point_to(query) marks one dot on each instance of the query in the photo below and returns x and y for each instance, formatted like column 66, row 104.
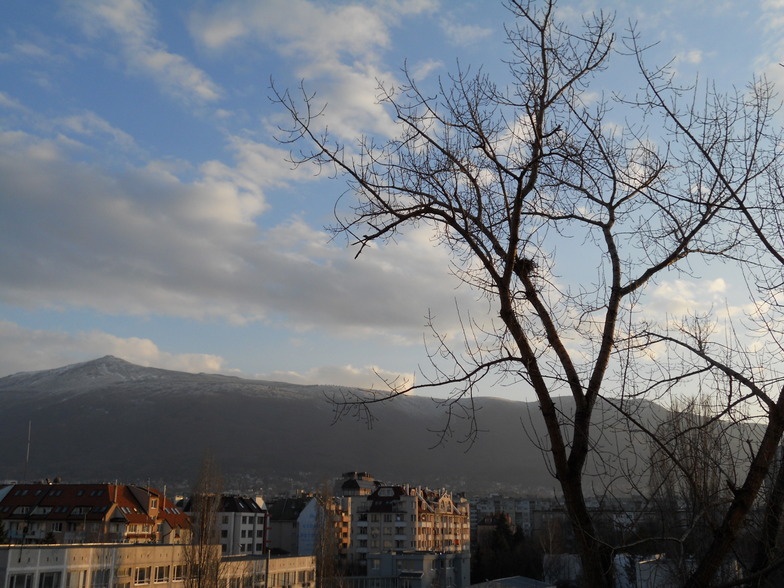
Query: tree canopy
column 667, row 179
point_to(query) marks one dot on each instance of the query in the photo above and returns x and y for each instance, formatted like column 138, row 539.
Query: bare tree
column 505, row 175
column 735, row 143
column 203, row 551
column 327, row 544
column 694, row 463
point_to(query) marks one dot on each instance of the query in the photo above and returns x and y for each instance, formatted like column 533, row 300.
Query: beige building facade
column 113, row 565
column 402, row 518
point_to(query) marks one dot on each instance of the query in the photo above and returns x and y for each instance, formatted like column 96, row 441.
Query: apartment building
column 419, row 569
column 79, row 513
column 396, row 518
column 292, row 525
column 241, row 523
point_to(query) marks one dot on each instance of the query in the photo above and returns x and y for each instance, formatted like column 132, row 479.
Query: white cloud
column 10, row 103
column 335, row 47
column 407, row 7
column 366, row 377
column 298, row 28
column 423, row 69
column 692, row 57
column 670, row 302
column 30, row 50
column 678, row 298
column 132, row 24
column 142, row 241
column 24, row 349
column 90, row 124
column 464, row 34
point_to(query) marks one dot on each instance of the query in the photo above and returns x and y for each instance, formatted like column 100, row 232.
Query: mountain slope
column 108, row 419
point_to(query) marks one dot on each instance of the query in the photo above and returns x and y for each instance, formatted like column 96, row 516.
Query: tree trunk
column 770, row 527
column 745, row 496
column 595, row 555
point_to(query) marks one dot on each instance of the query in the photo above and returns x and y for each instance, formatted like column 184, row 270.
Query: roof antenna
column 27, row 456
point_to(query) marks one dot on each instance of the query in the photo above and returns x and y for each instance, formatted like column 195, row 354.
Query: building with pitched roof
column 399, row 519
column 292, row 525
column 241, row 523
column 356, row 484
column 82, row 513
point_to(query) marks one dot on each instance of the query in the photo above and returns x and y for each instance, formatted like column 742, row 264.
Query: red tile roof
column 91, row 502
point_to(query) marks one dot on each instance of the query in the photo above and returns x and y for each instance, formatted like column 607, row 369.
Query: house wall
column 242, row 533
column 283, row 536
column 307, row 528
column 110, row 565
column 92, row 566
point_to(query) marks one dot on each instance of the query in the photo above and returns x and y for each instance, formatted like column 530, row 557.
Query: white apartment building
column 242, row 525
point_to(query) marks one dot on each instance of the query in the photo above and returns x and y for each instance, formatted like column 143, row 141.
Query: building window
column 259, row 533
column 57, row 527
column 161, row 574
column 142, row 576
column 259, row 547
column 100, row 578
column 225, row 520
column 224, row 533
column 77, row 579
column 49, row 580
column 375, row 564
column 20, row 581
column 387, row 518
column 153, row 502
column 123, row 572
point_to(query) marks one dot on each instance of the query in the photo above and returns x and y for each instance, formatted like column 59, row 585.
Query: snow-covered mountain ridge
column 108, row 419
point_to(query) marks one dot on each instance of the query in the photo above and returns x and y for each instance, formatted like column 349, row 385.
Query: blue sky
column 147, row 211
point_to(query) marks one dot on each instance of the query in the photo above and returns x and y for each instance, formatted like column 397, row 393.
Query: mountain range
column 108, row 419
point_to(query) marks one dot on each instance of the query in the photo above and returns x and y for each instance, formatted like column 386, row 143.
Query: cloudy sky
column 147, row 211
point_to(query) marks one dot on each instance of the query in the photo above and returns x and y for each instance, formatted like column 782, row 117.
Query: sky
column 147, row 210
